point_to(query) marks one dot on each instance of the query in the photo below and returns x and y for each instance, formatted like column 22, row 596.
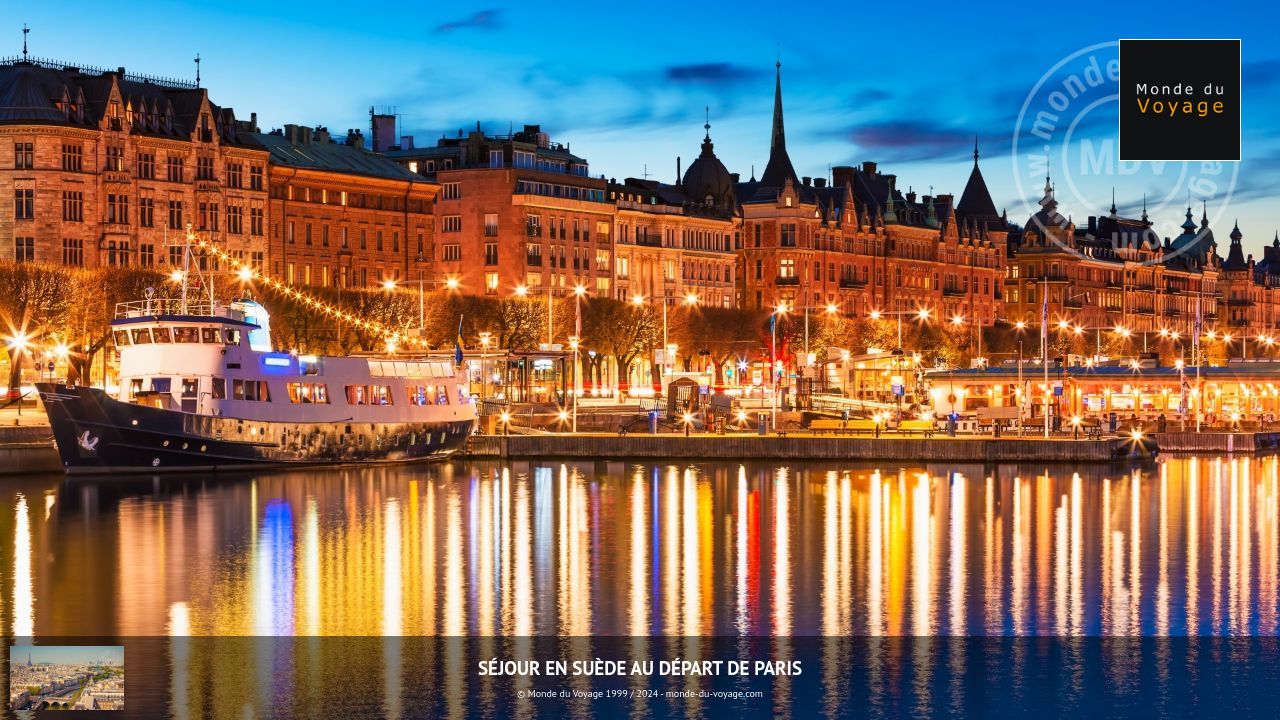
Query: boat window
column 135, row 387
column 186, row 334
column 253, row 390
column 231, row 336
column 308, row 393
column 190, row 387
column 210, row 335
column 368, row 395
column 308, row 365
column 442, row 395
column 162, row 334
column 463, row 398
column 418, row 394
column 122, row 338
column 141, row 336
column 219, row 389
column 161, row 384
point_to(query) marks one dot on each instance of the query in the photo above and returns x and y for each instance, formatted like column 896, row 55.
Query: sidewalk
column 32, row 415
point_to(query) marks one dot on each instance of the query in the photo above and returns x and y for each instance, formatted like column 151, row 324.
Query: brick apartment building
column 342, row 215
column 108, row 167
column 515, row 211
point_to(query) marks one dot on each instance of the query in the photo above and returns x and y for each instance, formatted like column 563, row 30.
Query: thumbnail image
column 66, row 677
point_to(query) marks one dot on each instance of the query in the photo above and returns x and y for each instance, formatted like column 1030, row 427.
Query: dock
column 1219, row 442
column 802, row 447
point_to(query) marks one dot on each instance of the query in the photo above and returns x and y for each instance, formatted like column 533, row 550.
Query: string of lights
column 246, row 273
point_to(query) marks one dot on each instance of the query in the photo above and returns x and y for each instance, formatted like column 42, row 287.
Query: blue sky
column 65, row 654
column 907, row 86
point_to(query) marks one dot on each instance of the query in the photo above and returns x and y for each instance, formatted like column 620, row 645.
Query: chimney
column 806, row 180
column 384, row 131
column 819, row 182
column 406, row 142
column 868, row 167
column 911, row 195
column 291, row 133
column 735, row 177
column 120, row 71
column 841, row 175
column 253, row 121
column 321, row 134
column 355, row 138
column 678, row 175
column 1093, row 225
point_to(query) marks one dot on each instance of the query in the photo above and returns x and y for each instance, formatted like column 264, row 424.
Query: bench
column 924, row 427
column 842, row 426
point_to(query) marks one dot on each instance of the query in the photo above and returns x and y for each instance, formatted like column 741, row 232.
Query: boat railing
column 174, row 306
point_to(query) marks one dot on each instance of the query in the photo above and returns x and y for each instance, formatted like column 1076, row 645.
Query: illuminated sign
column 277, row 360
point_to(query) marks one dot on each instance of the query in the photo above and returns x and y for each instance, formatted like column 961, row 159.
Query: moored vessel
column 201, row 388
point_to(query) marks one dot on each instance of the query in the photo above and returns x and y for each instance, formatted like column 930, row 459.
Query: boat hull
column 95, row 433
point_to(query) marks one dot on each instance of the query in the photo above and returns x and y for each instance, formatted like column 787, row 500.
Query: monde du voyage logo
column 1180, row 100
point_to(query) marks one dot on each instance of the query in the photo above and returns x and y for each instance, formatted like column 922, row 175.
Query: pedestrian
column 1161, row 423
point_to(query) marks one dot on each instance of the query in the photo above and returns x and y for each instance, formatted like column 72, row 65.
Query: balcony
column 116, row 176
column 953, row 292
column 533, row 230
column 788, row 280
column 649, row 241
column 1144, row 311
column 1172, row 312
column 534, row 261
column 851, row 283
column 1239, row 302
column 208, row 186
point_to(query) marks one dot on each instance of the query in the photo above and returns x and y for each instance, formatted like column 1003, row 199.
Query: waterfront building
column 1117, row 275
column 517, row 214
column 678, row 243
column 861, row 244
column 107, row 167
column 342, row 216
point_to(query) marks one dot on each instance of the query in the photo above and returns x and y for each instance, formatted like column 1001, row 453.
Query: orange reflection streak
column 1193, row 547
column 522, row 574
column 311, row 570
column 830, row 557
column 875, row 557
column 429, row 561
column 846, row 554
column 24, row 620
column 1215, row 566
column 671, row 553
column 392, row 591
column 959, row 514
column 782, row 554
column 639, row 610
column 992, row 568
column 1018, row 599
column 1060, row 566
column 1162, row 575
column 1043, row 498
column 896, row 536
column 454, row 615
column 921, row 578
column 484, row 562
column 690, row 578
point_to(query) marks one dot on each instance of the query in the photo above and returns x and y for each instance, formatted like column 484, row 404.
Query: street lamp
column 773, row 360
column 485, row 337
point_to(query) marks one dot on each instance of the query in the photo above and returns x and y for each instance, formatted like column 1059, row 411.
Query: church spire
column 779, row 168
column 975, row 201
column 1113, row 201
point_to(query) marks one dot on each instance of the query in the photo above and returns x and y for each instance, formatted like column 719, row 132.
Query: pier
column 801, row 447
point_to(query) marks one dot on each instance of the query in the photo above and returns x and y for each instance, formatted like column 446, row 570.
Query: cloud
column 710, row 73
column 869, row 96
column 906, row 140
column 1262, row 73
column 490, row 19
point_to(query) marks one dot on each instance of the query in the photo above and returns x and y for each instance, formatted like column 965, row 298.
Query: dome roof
column 708, row 177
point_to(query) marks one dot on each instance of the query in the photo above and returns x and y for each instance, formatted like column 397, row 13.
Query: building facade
column 517, row 214
column 342, row 216
column 109, row 168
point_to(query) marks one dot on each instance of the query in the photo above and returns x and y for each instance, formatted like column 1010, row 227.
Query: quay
column 797, row 446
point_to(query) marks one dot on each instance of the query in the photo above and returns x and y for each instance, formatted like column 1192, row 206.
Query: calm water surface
column 581, row 550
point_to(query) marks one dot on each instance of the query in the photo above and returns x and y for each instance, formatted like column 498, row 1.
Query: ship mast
column 206, row 280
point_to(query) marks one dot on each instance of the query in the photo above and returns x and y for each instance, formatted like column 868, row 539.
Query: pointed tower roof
column 976, row 200
column 1235, row 256
column 779, row 167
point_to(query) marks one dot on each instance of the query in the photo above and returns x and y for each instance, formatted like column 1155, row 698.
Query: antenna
column 25, row 31
column 197, row 69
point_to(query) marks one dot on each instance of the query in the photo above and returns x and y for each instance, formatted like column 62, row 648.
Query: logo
column 1067, row 164
column 1180, row 100
column 87, row 442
